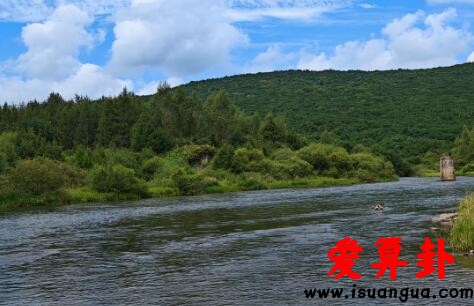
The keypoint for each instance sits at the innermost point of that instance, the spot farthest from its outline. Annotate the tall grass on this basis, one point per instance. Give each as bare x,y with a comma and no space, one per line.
462,233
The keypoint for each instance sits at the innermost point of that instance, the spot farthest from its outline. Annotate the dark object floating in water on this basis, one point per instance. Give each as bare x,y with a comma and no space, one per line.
378,206
471,253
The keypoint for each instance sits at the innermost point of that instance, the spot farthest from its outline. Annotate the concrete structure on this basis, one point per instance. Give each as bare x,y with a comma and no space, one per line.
446,166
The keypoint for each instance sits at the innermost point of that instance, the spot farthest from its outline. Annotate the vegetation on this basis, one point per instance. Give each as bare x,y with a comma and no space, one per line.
462,232
171,144
406,116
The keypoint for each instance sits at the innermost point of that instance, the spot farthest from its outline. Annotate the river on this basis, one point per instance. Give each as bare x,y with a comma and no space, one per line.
250,248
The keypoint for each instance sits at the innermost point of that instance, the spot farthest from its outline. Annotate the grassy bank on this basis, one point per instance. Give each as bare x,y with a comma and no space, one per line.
88,195
462,232
232,183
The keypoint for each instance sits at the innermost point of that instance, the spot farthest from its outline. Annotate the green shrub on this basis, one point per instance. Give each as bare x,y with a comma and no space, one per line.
117,179
292,168
193,183
123,157
251,181
38,176
283,154
246,159
296,167
8,150
468,169
151,167
371,168
223,158
196,154
3,162
462,233
82,157
324,157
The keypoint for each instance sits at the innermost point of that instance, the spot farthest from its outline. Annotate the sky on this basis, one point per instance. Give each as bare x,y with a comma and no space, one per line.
97,48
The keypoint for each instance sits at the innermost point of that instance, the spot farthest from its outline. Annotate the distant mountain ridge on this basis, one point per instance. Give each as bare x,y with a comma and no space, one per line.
407,111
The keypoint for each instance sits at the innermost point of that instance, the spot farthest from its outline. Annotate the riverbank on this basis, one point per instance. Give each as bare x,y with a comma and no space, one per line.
462,233
14,202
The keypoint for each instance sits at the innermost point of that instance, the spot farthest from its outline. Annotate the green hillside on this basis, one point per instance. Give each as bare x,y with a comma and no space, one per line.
405,112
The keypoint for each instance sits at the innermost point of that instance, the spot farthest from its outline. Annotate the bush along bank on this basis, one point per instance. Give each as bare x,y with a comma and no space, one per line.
120,174
175,144
462,232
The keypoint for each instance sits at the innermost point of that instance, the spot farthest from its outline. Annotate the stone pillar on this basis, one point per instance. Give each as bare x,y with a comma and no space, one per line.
446,165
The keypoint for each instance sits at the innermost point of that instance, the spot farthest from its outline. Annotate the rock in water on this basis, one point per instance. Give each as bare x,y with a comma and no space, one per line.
446,218
446,166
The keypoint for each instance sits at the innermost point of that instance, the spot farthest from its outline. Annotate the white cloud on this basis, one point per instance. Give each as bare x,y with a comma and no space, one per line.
367,5
53,45
89,80
450,1
470,58
273,58
51,61
39,10
238,10
151,87
174,37
23,10
249,10
405,44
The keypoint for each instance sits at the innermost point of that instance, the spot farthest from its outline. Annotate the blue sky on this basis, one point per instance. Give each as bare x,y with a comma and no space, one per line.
96,48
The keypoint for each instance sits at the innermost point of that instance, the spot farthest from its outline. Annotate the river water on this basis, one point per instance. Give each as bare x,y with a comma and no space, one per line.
252,248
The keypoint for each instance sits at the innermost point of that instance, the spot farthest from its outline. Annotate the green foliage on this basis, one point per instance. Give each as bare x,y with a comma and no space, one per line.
273,129
196,154
462,232
8,150
151,167
464,147
468,169
283,154
148,133
409,112
370,168
193,183
223,158
326,158
205,145
42,175
117,179
82,157
246,159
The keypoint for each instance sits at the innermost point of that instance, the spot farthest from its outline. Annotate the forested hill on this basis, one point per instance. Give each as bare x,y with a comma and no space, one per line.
407,112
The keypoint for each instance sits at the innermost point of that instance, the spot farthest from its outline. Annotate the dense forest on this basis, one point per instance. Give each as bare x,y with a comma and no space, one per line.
297,128
410,116
173,143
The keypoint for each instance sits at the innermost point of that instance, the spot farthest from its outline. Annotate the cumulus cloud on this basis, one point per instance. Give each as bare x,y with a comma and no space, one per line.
273,58
470,58
51,61
89,80
178,37
414,41
152,87
53,45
